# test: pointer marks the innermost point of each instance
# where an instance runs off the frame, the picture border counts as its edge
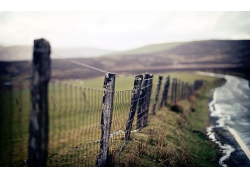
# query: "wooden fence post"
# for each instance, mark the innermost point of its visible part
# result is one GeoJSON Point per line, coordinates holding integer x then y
{"type": "Point", "coordinates": [172, 90]}
{"type": "Point", "coordinates": [147, 102]}
{"type": "Point", "coordinates": [176, 90]}
{"type": "Point", "coordinates": [182, 90]}
{"type": "Point", "coordinates": [195, 85]}
{"type": "Point", "coordinates": [164, 92]}
{"type": "Point", "coordinates": [39, 121]}
{"type": "Point", "coordinates": [142, 100]}
{"type": "Point", "coordinates": [185, 90]}
{"type": "Point", "coordinates": [106, 118]}
{"type": "Point", "coordinates": [190, 89]}
{"type": "Point", "coordinates": [134, 100]}
{"type": "Point", "coordinates": [157, 94]}
{"type": "Point", "coordinates": [180, 97]}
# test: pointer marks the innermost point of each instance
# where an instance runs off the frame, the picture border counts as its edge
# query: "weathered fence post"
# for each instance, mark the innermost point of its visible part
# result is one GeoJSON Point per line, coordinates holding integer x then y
{"type": "Point", "coordinates": [182, 90]}
{"type": "Point", "coordinates": [39, 121]}
{"type": "Point", "coordinates": [172, 90]}
{"type": "Point", "coordinates": [134, 101]}
{"type": "Point", "coordinates": [149, 90]}
{"type": "Point", "coordinates": [142, 100]}
{"type": "Point", "coordinates": [106, 118]}
{"type": "Point", "coordinates": [190, 89]}
{"type": "Point", "coordinates": [195, 85]}
{"type": "Point", "coordinates": [186, 90]}
{"type": "Point", "coordinates": [156, 94]}
{"type": "Point", "coordinates": [179, 90]}
{"type": "Point", "coordinates": [165, 90]}
{"type": "Point", "coordinates": [176, 90]}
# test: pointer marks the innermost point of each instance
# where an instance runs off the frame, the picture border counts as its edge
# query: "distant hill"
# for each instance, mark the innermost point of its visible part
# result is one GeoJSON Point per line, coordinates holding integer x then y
{"type": "Point", "coordinates": [195, 52]}
{"type": "Point", "coordinates": [149, 49]}
{"type": "Point", "coordinates": [195, 55]}
{"type": "Point", "coordinates": [85, 52]}
{"type": "Point", "coordinates": [17, 53]}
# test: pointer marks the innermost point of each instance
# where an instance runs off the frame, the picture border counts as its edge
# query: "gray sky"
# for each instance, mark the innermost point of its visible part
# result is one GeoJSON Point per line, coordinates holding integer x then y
{"type": "Point", "coordinates": [120, 30]}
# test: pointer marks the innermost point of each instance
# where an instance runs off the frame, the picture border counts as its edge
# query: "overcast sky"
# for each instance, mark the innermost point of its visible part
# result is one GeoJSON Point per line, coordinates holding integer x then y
{"type": "Point", "coordinates": [120, 30]}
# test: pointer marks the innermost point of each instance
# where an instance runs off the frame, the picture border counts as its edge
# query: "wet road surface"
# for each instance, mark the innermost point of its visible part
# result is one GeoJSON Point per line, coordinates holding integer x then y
{"type": "Point", "coordinates": [230, 114]}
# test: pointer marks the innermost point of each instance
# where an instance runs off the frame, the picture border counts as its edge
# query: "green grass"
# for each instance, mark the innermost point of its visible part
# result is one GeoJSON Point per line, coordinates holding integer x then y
{"type": "Point", "coordinates": [174, 139]}
{"type": "Point", "coordinates": [75, 113]}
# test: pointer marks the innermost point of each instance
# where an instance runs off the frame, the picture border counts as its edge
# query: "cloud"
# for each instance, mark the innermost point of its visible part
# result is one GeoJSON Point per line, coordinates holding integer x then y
{"type": "Point", "coordinates": [234, 23]}
{"type": "Point", "coordinates": [120, 30]}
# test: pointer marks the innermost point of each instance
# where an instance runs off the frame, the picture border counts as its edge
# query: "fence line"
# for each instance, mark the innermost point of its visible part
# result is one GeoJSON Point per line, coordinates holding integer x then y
{"type": "Point", "coordinates": [86, 124]}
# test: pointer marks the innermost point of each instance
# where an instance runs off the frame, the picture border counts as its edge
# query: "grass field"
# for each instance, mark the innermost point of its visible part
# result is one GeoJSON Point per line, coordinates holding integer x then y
{"type": "Point", "coordinates": [174, 139]}
{"type": "Point", "coordinates": [75, 111]}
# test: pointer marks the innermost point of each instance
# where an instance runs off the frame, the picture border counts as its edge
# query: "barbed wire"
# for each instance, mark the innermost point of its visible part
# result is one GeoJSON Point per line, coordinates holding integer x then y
{"type": "Point", "coordinates": [88, 66]}
{"type": "Point", "coordinates": [97, 69]}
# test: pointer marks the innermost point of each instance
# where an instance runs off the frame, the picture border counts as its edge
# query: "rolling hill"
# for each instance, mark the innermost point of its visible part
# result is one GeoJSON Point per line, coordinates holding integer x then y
{"type": "Point", "coordinates": [194, 55]}
{"type": "Point", "coordinates": [20, 53]}
{"type": "Point", "coordinates": [148, 49]}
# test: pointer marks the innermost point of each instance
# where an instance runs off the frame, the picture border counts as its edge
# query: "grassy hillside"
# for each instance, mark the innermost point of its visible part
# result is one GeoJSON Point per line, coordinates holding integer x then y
{"type": "Point", "coordinates": [173, 139]}
{"type": "Point", "coordinates": [149, 49]}
{"type": "Point", "coordinates": [196, 52]}
{"type": "Point", "coordinates": [219, 51]}
{"type": "Point", "coordinates": [197, 55]}
{"type": "Point", "coordinates": [75, 119]}
{"type": "Point", "coordinates": [17, 53]}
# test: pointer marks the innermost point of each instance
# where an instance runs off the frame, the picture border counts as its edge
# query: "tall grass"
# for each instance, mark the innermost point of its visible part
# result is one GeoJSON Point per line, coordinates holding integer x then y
{"type": "Point", "coordinates": [174, 139]}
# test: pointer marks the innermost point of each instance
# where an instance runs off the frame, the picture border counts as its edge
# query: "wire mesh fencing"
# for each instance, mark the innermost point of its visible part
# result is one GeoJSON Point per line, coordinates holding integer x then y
{"type": "Point", "coordinates": [74, 124]}
{"type": "Point", "coordinates": [14, 112]}
{"type": "Point", "coordinates": [83, 125]}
